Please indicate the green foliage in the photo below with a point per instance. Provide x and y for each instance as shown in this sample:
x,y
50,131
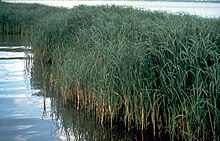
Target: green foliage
x,y
152,71
138,67
17,18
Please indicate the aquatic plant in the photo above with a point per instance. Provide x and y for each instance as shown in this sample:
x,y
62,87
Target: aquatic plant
x,y
16,18
149,71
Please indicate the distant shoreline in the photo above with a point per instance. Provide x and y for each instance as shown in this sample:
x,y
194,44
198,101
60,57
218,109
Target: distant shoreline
x,y
117,0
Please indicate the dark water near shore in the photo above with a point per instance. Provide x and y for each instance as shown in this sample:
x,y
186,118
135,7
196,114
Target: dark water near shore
x,y
31,112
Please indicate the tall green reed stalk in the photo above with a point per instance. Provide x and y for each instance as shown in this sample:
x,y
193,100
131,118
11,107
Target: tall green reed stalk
x,y
16,18
150,71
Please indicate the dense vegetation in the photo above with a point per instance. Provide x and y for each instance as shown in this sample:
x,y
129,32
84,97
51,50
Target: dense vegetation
x,y
17,18
150,71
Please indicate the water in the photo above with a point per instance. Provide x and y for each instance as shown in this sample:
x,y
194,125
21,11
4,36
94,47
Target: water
x,y
32,112
204,9
21,115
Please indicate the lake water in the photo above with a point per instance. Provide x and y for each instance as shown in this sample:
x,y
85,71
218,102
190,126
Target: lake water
x,y
204,9
30,111
22,115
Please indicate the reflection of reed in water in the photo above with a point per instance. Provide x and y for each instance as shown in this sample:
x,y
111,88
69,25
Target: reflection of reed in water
x,y
70,123
28,62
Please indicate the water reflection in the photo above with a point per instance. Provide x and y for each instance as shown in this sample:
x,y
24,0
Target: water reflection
x,y
20,115
11,40
33,111
71,124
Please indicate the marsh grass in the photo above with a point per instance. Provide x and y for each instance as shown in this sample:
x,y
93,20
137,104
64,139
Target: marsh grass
x,y
148,71
16,18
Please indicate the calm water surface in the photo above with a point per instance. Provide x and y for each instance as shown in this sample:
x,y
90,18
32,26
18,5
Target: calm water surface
x,y
21,115
30,111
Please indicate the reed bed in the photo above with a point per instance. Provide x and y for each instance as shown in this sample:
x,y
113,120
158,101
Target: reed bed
x,y
16,18
149,71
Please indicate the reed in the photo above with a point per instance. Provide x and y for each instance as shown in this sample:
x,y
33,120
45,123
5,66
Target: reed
x,y
149,71
16,18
